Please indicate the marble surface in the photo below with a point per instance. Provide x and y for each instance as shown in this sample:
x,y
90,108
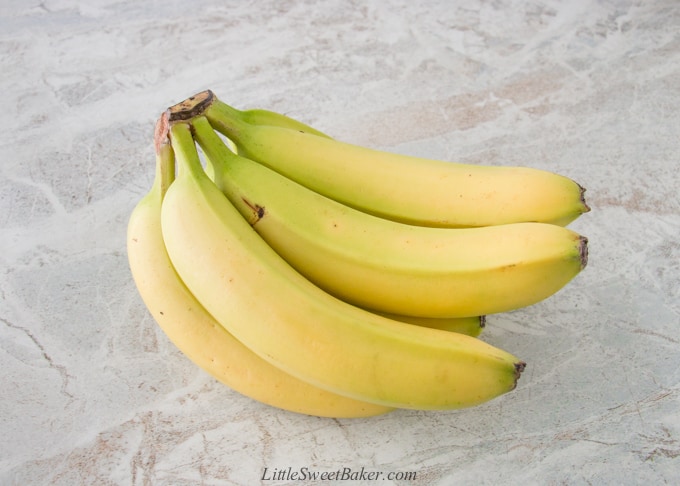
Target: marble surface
x,y
94,393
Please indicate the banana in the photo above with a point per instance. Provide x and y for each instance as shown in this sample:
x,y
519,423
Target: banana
x,y
403,188
285,319
392,267
196,333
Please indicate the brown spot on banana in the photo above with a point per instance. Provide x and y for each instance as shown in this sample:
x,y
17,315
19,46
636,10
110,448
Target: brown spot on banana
x,y
258,211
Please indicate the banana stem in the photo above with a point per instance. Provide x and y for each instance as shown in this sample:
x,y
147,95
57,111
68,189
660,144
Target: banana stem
x,y
226,120
202,103
229,120
216,151
191,107
165,156
185,150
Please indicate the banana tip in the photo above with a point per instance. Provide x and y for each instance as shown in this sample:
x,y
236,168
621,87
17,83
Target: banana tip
x,y
519,368
582,196
583,251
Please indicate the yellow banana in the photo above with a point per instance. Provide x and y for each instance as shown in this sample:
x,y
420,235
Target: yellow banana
x,y
403,188
196,333
293,324
387,266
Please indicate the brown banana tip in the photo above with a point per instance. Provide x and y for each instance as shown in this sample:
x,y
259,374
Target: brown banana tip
x,y
482,321
519,368
161,134
582,197
191,107
583,251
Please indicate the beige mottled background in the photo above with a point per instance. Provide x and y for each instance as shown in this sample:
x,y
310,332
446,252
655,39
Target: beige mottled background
x,y
93,392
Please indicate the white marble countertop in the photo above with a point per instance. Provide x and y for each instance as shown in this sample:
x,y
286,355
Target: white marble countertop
x,y
94,393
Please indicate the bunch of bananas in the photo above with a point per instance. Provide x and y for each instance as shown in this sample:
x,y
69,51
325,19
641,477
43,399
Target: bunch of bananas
x,y
335,280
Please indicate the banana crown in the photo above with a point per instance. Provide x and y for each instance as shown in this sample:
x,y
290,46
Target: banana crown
x,y
329,279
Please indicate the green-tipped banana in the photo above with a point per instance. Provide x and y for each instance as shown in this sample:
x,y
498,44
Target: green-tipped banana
x,y
392,267
196,333
403,188
290,322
